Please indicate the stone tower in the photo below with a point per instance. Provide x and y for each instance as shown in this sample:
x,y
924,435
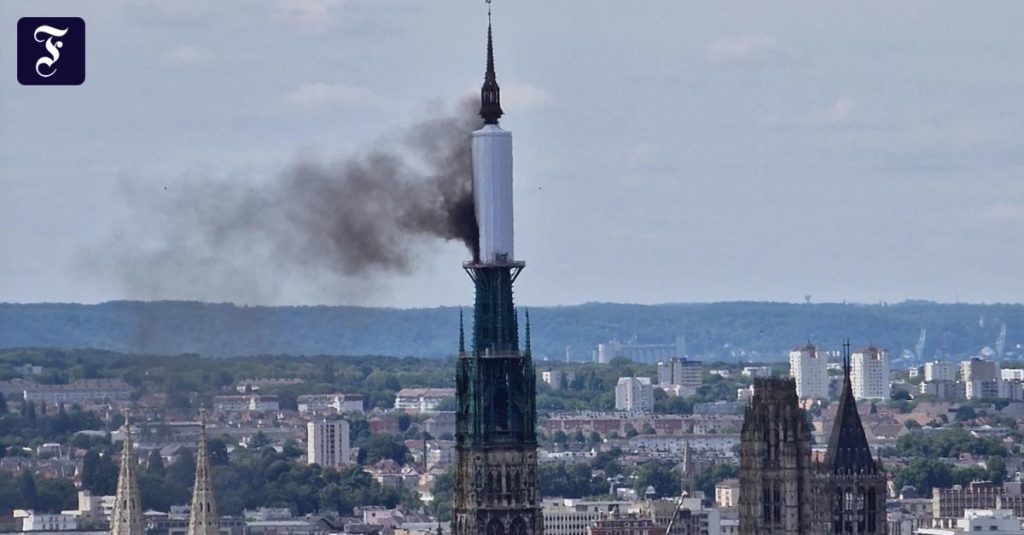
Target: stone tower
x,y
852,484
496,443
203,518
776,483
127,516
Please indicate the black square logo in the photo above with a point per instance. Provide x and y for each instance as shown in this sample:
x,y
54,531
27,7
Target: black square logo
x,y
51,51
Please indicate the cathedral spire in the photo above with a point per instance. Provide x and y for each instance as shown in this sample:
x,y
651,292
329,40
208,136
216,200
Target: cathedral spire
x,y
490,93
848,451
203,518
127,516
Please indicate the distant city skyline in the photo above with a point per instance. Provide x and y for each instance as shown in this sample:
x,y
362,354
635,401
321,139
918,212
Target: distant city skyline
x,y
664,152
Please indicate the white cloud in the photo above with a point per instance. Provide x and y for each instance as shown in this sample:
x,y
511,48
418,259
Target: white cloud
x,y
1003,212
841,112
751,48
322,95
185,55
313,15
525,96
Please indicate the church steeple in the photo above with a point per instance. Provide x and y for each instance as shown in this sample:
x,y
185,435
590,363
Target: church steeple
x,y
848,451
490,93
127,516
203,519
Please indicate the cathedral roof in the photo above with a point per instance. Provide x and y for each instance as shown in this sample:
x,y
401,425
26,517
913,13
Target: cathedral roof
x,y
848,450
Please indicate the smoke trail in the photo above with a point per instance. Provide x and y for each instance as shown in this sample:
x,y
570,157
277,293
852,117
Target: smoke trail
x,y
349,220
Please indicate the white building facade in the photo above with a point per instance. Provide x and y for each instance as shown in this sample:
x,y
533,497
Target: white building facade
x,y
634,394
810,370
327,443
870,373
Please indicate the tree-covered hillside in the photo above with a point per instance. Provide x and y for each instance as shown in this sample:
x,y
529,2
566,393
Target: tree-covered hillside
x,y
718,331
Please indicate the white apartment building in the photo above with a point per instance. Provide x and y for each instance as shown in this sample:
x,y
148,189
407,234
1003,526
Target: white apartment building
x,y
327,442
314,403
870,373
727,493
574,517
1012,374
422,399
989,521
810,370
634,394
33,521
248,403
557,379
756,371
938,370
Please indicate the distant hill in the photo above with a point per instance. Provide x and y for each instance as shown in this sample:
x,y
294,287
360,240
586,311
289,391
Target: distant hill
x,y
725,331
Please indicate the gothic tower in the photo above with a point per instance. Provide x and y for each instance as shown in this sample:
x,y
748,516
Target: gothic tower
x,y
776,484
687,474
203,517
852,484
127,516
496,444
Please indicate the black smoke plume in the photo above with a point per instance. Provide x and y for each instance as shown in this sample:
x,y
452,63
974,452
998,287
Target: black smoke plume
x,y
373,212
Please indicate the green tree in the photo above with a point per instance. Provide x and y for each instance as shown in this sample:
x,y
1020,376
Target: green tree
x,y
155,464
382,446
996,467
218,451
925,474
665,482
713,475
443,489
99,474
55,495
27,489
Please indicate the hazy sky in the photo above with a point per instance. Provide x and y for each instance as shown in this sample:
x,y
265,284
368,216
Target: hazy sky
x,y
665,151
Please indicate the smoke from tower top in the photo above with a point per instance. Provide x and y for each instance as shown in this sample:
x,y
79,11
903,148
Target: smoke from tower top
x,y
336,224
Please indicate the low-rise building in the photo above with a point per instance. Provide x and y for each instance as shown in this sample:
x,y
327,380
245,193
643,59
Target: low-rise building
x,y
79,391
727,493
33,521
557,379
574,517
988,521
422,399
339,403
246,403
